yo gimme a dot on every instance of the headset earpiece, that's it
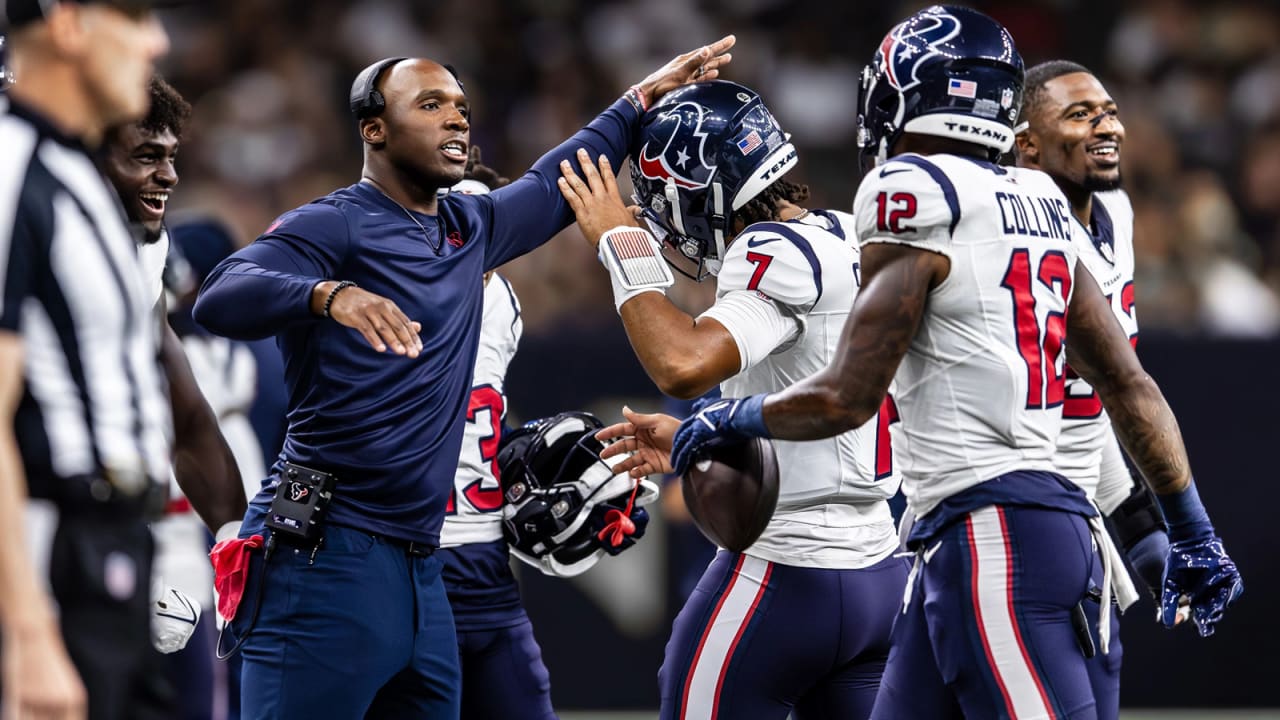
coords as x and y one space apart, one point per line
365 99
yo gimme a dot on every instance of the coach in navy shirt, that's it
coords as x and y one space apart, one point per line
374 292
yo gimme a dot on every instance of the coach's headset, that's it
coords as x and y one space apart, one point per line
366 99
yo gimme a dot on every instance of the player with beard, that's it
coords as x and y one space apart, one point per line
1071 130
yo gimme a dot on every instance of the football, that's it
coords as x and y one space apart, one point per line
732 493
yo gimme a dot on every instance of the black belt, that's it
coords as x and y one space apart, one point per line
411 548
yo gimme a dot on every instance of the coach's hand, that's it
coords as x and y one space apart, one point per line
697 65
378 319
39 679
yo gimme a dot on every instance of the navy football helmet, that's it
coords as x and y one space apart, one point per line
564 507
946 71
702 153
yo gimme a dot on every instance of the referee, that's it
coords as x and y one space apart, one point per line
86 418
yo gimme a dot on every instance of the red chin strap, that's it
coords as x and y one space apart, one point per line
618 524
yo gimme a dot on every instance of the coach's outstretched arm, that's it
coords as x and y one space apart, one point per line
531 210
1199 570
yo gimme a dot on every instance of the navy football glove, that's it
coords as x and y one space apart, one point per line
723 422
1203 573
1199 570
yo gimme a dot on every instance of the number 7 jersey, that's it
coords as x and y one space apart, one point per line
981 388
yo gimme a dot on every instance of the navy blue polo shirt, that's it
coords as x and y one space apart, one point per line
389 427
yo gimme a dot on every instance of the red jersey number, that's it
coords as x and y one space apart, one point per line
1040 347
487 400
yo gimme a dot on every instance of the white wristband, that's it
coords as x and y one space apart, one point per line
634 260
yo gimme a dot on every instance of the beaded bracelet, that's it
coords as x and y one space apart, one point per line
328 302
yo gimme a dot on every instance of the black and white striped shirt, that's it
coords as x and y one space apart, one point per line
72 287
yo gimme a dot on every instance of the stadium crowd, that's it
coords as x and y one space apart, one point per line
1198 86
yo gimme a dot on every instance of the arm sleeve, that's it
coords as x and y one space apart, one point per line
263 288
759 326
529 211
907 201
1114 481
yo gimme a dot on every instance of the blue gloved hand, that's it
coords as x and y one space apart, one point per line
1199 569
723 422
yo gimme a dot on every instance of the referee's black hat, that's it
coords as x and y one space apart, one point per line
20 12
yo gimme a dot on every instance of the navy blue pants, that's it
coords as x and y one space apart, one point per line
987 632
503 675
760 640
363 631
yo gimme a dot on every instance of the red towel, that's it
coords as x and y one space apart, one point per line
231 571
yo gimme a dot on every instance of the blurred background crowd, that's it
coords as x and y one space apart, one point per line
1198 86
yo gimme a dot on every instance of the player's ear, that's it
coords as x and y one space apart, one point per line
1026 146
373 131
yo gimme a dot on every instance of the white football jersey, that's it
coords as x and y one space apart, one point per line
152 257
474 512
784 293
1107 252
980 390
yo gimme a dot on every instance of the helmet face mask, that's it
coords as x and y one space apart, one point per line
945 71
557 491
703 152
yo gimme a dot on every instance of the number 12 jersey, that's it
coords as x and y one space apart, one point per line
981 388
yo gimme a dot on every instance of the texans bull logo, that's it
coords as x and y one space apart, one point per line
681 157
911 43
298 491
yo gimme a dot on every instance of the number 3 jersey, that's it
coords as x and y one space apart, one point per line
1088 453
473 513
784 293
980 390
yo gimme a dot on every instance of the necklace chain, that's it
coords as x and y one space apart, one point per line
435 246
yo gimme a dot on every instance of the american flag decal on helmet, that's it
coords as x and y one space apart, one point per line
750 142
962 88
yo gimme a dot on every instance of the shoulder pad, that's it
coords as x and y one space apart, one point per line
906 199
775 260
